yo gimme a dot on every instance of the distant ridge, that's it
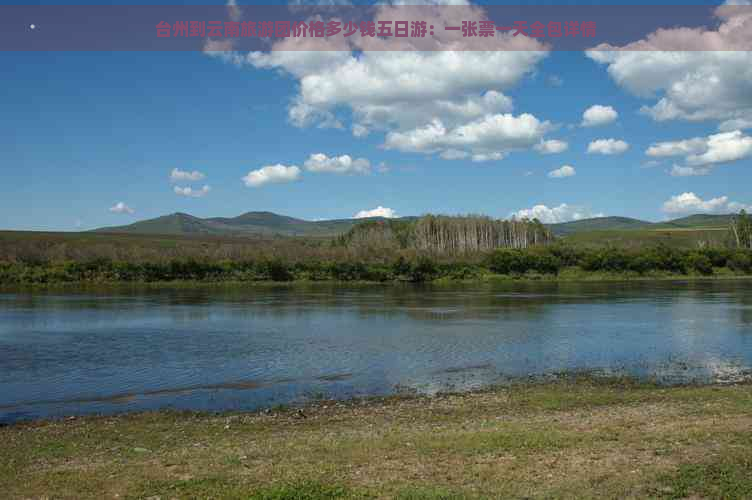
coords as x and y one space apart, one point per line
598 224
248 224
267 224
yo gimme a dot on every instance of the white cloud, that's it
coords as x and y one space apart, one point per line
706 151
344 164
178 175
398 89
722 148
680 171
453 154
121 208
598 115
189 191
562 213
484 157
271 174
564 171
551 146
677 148
395 84
607 146
359 130
694 73
735 124
690 203
489 135
376 212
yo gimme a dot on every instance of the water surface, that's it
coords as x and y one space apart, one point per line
216 348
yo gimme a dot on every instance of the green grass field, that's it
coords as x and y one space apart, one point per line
683 238
570 439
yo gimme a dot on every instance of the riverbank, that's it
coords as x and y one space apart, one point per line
567 276
555 262
579 438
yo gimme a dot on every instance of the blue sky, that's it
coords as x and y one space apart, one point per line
81 132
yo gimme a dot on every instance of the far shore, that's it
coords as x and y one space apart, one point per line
574 437
566 276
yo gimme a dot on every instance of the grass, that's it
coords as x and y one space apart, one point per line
679 238
572 438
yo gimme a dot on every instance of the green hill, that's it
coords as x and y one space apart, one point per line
268 224
699 221
247 224
598 224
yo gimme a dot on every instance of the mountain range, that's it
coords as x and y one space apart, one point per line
267 224
250 224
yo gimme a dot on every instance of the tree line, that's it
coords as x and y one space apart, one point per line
533 262
423 249
740 230
449 235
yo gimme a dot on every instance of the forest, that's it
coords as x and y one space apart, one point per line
429 248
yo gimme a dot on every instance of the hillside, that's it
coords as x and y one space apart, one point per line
698 221
598 224
247 224
255 224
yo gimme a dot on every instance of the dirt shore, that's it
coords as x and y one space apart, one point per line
569 439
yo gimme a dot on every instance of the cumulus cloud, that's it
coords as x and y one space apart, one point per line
553 215
607 146
384 90
398 89
706 151
121 208
344 164
492 136
376 212
677 148
271 174
598 115
178 175
694 73
453 154
483 157
735 124
551 146
564 171
359 130
190 192
400 84
690 203
681 171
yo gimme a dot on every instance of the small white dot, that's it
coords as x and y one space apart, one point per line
33 26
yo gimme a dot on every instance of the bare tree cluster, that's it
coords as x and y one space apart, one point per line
740 230
467 234
449 235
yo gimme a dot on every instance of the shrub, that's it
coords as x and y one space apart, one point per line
424 270
741 261
699 263
401 267
277 270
